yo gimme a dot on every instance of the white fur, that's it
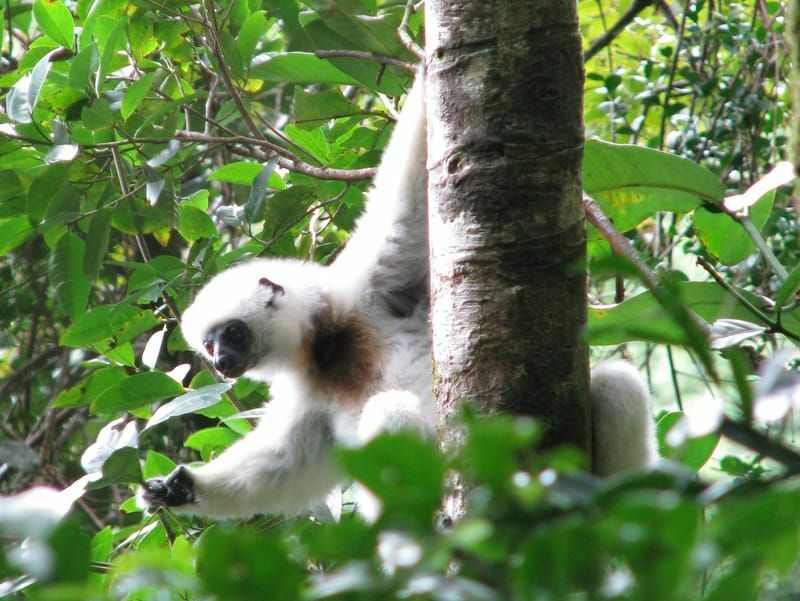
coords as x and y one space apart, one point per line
624 436
285 465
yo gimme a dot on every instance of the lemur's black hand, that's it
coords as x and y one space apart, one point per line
175 489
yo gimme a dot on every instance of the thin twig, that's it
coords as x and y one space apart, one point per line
405 34
216 48
288 159
617 28
671 79
773 324
367 56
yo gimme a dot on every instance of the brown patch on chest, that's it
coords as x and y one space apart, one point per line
344 358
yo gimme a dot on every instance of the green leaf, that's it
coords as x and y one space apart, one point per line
254 27
66 275
14 232
254 207
725 238
136 391
632 183
99 323
404 472
641 317
297 67
192 401
309 108
312 141
156 464
211 440
112 42
97 243
135 94
122 467
195 224
83 66
789 288
56 21
68 550
694 452
240 172
244 564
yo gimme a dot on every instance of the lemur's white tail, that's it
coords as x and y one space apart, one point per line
623 431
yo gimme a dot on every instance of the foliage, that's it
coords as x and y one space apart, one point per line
145 146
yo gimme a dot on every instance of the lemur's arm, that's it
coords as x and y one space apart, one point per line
283 466
387 255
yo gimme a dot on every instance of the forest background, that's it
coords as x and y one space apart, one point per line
144 146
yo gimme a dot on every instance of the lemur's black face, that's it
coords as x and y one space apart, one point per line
230 346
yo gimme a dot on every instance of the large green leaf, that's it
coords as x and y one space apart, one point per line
724 237
323 106
239 172
136 391
694 452
135 93
633 182
369 74
55 20
102 322
297 67
642 318
192 401
14 232
254 27
66 275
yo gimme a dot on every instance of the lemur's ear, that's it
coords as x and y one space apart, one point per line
277 289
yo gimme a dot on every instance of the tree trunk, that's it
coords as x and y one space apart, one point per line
793 37
507 236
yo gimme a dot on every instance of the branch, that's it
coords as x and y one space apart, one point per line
226 78
747 436
617 28
367 56
288 159
405 34
619 243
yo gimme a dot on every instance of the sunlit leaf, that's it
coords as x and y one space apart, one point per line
192 401
136 391
55 20
632 183
724 237
297 67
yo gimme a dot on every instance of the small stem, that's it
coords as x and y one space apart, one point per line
367 56
674 377
405 34
763 248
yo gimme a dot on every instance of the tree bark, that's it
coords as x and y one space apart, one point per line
507 236
793 37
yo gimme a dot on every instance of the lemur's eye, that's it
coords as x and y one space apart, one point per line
235 334
209 346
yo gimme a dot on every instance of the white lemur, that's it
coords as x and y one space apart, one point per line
345 349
